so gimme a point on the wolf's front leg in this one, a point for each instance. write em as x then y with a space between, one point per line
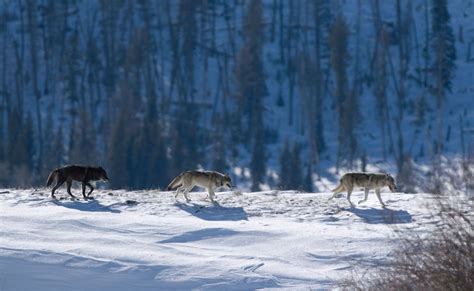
377 192
211 194
177 192
84 190
92 189
185 193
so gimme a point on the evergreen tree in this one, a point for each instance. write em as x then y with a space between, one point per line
252 89
20 149
82 145
443 46
257 164
345 100
48 160
185 134
219 162
291 172
21 140
322 26
250 76
308 185
444 61
296 177
285 167
28 140
119 153
150 166
57 151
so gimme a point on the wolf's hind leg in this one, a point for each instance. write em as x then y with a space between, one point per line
349 192
92 189
58 184
366 193
185 194
180 188
377 192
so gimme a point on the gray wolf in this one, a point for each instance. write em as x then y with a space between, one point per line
83 174
367 181
186 181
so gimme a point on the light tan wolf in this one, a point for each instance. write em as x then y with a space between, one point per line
186 181
367 181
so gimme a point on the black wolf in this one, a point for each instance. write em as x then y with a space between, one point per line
82 174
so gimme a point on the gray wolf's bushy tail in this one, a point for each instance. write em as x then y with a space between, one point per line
175 183
339 188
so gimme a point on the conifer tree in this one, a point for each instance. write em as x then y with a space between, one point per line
257 163
308 180
296 177
444 57
251 87
346 104
285 167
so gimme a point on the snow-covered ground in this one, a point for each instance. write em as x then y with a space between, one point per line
145 239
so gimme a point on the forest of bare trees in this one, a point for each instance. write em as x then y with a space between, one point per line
151 88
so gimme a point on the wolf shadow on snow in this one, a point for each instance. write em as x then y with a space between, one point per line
88 205
214 212
382 215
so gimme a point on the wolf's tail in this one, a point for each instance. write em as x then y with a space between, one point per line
339 188
175 183
51 177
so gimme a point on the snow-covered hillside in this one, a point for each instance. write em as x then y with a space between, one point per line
145 240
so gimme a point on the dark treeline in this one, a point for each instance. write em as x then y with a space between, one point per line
151 88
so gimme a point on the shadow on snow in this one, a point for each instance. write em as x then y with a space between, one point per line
202 234
89 205
214 212
382 215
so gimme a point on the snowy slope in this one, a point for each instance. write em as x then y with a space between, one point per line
254 240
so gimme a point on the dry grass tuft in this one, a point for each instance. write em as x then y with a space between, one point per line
441 260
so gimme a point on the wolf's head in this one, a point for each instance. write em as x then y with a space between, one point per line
227 181
103 174
390 182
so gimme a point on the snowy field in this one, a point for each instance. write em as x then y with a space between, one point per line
145 240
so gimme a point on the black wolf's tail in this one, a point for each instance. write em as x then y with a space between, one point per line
51 177
175 183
